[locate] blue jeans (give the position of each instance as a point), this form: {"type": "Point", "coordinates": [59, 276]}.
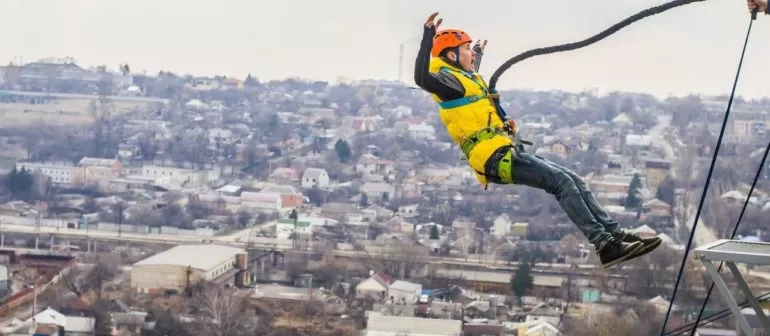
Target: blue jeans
{"type": "Point", "coordinates": [570, 191]}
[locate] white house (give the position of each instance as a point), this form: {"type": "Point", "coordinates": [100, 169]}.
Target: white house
{"type": "Point", "coordinates": [376, 285]}
{"type": "Point", "coordinates": [422, 131]}
{"type": "Point", "coordinates": [261, 201]}
{"type": "Point", "coordinates": [220, 135]}
{"type": "Point", "coordinates": [370, 164]}
{"type": "Point", "coordinates": [501, 226]}
{"type": "Point", "coordinates": [404, 292]}
{"type": "Point", "coordinates": [408, 211]}
{"type": "Point", "coordinates": [378, 190]}
{"type": "Point", "coordinates": [59, 173]}
{"type": "Point", "coordinates": [285, 227]}
{"type": "Point", "coordinates": [182, 177]}
{"type": "Point", "coordinates": [315, 177]}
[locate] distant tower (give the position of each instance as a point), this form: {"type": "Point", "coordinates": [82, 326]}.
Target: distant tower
{"type": "Point", "coordinates": [401, 62]}
{"type": "Point", "coordinates": [401, 56]}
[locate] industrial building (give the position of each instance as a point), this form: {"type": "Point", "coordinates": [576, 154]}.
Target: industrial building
{"type": "Point", "coordinates": [184, 265]}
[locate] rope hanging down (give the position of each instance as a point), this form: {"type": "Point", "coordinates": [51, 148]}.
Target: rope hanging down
{"type": "Point", "coordinates": [584, 43]}
{"type": "Point", "coordinates": [708, 179]}
{"type": "Point", "coordinates": [735, 231]}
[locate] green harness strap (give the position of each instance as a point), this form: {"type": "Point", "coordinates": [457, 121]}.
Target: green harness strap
{"type": "Point", "coordinates": [504, 166]}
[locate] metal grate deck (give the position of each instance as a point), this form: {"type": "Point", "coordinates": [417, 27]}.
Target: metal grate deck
{"type": "Point", "coordinates": [736, 251]}
{"type": "Point", "coordinates": [742, 247]}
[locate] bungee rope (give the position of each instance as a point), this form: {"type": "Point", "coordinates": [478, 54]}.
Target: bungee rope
{"type": "Point", "coordinates": [584, 43]}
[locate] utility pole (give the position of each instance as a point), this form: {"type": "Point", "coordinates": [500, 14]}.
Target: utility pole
{"type": "Point", "coordinates": [120, 219]}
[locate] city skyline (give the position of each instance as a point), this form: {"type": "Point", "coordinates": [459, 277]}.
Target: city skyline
{"type": "Point", "coordinates": [679, 52]}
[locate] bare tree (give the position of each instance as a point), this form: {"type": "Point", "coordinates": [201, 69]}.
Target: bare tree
{"type": "Point", "coordinates": [636, 319]}
{"type": "Point", "coordinates": [168, 324]}
{"type": "Point", "coordinates": [651, 272]}
{"type": "Point", "coordinates": [397, 258]}
{"type": "Point", "coordinates": [223, 313]}
{"type": "Point", "coordinates": [684, 175]}
{"type": "Point", "coordinates": [97, 277]}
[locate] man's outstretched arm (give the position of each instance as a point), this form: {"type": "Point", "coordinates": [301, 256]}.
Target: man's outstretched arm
{"type": "Point", "coordinates": [444, 85]}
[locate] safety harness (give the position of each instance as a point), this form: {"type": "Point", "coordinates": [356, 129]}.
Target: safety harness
{"type": "Point", "coordinates": [502, 159]}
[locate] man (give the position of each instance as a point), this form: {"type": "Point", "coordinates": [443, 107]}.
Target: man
{"type": "Point", "coordinates": [759, 5]}
{"type": "Point", "coordinates": [446, 67]}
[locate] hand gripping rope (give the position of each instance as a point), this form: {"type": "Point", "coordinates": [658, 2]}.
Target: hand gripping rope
{"type": "Point", "coordinates": [706, 186]}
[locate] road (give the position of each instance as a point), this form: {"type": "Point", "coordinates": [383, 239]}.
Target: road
{"type": "Point", "coordinates": [657, 136]}
{"type": "Point", "coordinates": [233, 240]}
{"type": "Point", "coordinates": [703, 234]}
{"type": "Point", "coordinates": [85, 96]}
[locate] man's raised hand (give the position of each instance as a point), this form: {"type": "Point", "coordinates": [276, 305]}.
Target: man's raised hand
{"type": "Point", "coordinates": [431, 24]}
{"type": "Point", "coordinates": [479, 46]}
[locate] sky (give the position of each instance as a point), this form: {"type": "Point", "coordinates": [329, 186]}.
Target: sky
{"type": "Point", "coordinates": [692, 49]}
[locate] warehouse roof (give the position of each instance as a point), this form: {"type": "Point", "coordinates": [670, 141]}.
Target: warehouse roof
{"type": "Point", "coordinates": [201, 256]}
{"type": "Point", "coordinates": [408, 325]}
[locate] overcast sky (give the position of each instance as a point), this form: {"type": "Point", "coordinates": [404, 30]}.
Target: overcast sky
{"type": "Point", "coordinates": [693, 49]}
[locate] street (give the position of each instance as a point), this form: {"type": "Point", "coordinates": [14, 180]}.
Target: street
{"type": "Point", "coordinates": [703, 234]}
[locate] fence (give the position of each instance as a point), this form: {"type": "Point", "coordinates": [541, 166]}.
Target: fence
{"type": "Point", "coordinates": [105, 227]}
{"type": "Point", "coordinates": [27, 295]}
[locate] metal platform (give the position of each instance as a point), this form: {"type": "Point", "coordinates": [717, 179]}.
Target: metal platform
{"type": "Point", "coordinates": [731, 252]}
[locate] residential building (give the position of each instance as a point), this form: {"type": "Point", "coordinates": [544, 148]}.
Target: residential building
{"type": "Point", "coordinates": [127, 183]}
{"type": "Point", "coordinates": [746, 125]}
{"type": "Point", "coordinates": [285, 227]}
{"type": "Point", "coordinates": [284, 175]}
{"type": "Point", "coordinates": [655, 172]}
{"type": "Point", "coordinates": [96, 172]}
{"type": "Point", "coordinates": [220, 136]}
{"type": "Point", "coordinates": [501, 226]}
{"type": "Point", "coordinates": [408, 211]}
{"type": "Point", "coordinates": [291, 198]}
{"type": "Point", "coordinates": [404, 292]}
{"type": "Point", "coordinates": [59, 173]}
{"type": "Point", "coordinates": [370, 164]}
{"type": "Point", "coordinates": [183, 177]}
{"type": "Point", "coordinates": [422, 131]}
{"type": "Point", "coordinates": [376, 285]}
{"type": "Point", "coordinates": [315, 177]}
{"type": "Point", "coordinates": [378, 190]}
{"type": "Point", "coordinates": [261, 201]}
{"type": "Point", "coordinates": [383, 325]}
{"type": "Point", "coordinates": [50, 322]}
{"type": "Point", "coordinates": [58, 74]}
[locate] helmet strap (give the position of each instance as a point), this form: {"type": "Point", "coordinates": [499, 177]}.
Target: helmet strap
{"type": "Point", "coordinates": [455, 63]}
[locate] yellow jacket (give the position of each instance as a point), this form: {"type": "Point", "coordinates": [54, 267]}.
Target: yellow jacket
{"type": "Point", "coordinates": [465, 117]}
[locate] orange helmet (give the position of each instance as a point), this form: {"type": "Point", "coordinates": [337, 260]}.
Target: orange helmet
{"type": "Point", "coordinates": [448, 38]}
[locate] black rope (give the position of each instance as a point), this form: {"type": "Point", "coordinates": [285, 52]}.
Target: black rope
{"type": "Point", "coordinates": [708, 180]}
{"type": "Point", "coordinates": [713, 317]}
{"type": "Point", "coordinates": [735, 229]}
{"type": "Point", "coordinates": [584, 43]}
